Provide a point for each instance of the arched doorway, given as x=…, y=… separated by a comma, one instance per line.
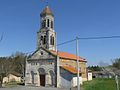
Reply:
x=42, y=76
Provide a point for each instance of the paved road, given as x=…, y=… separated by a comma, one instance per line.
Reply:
x=34, y=88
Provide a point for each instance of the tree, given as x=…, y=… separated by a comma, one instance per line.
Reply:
x=116, y=63
x=114, y=70
x=14, y=63
x=94, y=68
x=19, y=62
x=5, y=68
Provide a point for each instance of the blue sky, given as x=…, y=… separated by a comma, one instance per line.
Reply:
x=20, y=20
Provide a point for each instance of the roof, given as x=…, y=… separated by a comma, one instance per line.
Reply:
x=70, y=69
x=47, y=10
x=66, y=55
x=16, y=74
x=63, y=55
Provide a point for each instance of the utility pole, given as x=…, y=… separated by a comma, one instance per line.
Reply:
x=78, y=68
x=117, y=84
x=58, y=71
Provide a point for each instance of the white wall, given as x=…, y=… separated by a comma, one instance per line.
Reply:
x=74, y=81
x=10, y=78
x=89, y=76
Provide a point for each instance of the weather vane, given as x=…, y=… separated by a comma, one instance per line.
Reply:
x=46, y=2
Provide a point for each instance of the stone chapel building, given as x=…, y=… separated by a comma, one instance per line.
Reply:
x=49, y=67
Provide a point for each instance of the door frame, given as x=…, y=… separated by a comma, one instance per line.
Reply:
x=42, y=79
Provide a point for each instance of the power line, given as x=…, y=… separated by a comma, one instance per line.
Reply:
x=84, y=38
x=108, y=37
x=66, y=42
x=90, y=38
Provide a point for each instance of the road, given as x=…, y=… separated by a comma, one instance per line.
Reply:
x=34, y=88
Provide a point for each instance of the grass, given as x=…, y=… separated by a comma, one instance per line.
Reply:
x=100, y=84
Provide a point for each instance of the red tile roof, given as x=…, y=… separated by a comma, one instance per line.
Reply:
x=68, y=56
x=70, y=69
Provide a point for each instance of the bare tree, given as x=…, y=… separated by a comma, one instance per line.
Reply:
x=114, y=71
x=6, y=67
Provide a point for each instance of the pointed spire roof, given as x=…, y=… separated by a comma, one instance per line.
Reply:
x=46, y=11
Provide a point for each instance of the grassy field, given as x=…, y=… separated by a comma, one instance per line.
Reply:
x=100, y=84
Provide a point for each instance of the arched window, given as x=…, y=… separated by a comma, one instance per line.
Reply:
x=44, y=40
x=41, y=71
x=43, y=23
x=51, y=24
x=41, y=41
x=52, y=40
x=48, y=22
x=41, y=37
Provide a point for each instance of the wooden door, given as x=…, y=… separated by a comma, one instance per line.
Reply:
x=42, y=80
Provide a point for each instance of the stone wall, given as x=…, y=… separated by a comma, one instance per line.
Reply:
x=73, y=63
x=33, y=66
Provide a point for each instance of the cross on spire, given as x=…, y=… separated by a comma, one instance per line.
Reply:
x=46, y=2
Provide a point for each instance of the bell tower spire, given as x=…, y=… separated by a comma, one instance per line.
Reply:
x=46, y=34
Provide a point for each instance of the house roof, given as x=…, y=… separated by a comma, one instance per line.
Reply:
x=47, y=10
x=70, y=69
x=16, y=74
x=68, y=56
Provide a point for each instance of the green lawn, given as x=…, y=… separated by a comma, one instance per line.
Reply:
x=100, y=84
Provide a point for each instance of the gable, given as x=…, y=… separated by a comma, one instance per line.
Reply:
x=42, y=54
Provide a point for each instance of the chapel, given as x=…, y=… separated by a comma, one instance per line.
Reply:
x=49, y=67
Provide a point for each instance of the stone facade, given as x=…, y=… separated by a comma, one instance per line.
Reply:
x=41, y=69
x=73, y=63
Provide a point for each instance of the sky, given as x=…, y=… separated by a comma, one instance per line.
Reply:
x=20, y=21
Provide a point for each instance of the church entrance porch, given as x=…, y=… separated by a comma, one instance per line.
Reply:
x=42, y=75
x=46, y=77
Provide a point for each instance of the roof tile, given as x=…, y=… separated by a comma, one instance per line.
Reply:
x=70, y=69
x=68, y=56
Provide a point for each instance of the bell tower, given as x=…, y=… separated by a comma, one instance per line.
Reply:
x=46, y=35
